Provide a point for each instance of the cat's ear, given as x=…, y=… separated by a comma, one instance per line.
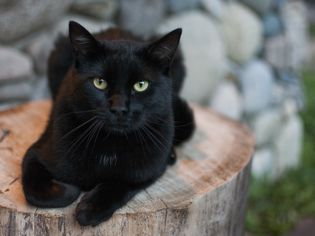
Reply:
x=163, y=50
x=81, y=40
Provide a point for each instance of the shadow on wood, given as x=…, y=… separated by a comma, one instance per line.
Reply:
x=203, y=194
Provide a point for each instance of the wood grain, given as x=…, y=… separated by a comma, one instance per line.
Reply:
x=203, y=194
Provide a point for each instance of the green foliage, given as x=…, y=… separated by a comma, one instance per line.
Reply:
x=274, y=208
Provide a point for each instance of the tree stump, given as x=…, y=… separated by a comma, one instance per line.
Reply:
x=204, y=193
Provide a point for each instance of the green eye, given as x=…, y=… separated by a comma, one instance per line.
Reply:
x=100, y=83
x=141, y=86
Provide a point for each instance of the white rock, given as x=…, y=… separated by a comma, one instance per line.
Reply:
x=14, y=65
x=288, y=145
x=227, y=101
x=294, y=16
x=204, y=53
x=263, y=163
x=214, y=7
x=256, y=80
x=242, y=32
x=266, y=125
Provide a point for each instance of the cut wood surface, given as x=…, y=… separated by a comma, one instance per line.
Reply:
x=204, y=193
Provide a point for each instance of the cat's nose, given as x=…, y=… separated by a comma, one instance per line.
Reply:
x=118, y=104
x=118, y=110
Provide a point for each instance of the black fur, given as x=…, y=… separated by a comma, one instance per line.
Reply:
x=114, y=142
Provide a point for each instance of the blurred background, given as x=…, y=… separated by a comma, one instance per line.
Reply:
x=251, y=60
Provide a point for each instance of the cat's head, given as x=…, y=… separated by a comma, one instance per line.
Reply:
x=126, y=81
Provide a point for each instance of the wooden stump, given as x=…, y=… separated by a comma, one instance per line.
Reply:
x=203, y=194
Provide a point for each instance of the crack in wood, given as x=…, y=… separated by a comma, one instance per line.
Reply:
x=14, y=180
x=4, y=133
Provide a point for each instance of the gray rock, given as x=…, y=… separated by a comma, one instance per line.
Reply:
x=15, y=66
x=27, y=16
x=141, y=16
x=227, y=101
x=263, y=163
x=39, y=49
x=242, y=32
x=288, y=145
x=272, y=25
x=62, y=27
x=16, y=91
x=101, y=9
x=260, y=6
x=204, y=53
x=214, y=7
x=40, y=89
x=176, y=6
x=293, y=87
x=277, y=52
x=266, y=125
x=256, y=81
x=294, y=15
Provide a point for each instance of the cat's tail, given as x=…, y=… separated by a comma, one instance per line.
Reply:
x=59, y=62
x=184, y=121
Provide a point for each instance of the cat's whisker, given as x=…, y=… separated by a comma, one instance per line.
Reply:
x=75, y=112
x=77, y=127
x=81, y=137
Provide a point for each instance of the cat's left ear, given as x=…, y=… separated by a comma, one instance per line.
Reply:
x=163, y=50
x=81, y=39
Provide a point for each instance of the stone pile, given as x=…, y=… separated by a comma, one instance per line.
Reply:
x=243, y=58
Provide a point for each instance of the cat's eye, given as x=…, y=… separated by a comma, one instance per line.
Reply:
x=100, y=83
x=141, y=86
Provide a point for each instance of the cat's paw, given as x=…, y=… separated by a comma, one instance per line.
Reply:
x=89, y=213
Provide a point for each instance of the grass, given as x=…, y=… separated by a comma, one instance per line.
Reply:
x=275, y=207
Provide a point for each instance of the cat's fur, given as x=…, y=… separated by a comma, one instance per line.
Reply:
x=111, y=143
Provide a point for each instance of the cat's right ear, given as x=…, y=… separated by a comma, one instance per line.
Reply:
x=81, y=40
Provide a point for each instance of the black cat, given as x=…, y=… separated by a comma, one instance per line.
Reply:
x=115, y=118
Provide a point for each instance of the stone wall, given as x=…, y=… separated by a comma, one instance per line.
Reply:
x=243, y=58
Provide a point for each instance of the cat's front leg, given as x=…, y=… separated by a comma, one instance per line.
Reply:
x=100, y=203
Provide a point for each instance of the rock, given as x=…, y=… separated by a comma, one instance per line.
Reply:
x=265, y=125
x=214, y=7
x=92, y=25
x=176, y=6
x=27, y=16
x=141, y=16
x=15, y=66
x=288, y=145
x=8, y=105
x=272, y=25
x=39, y=49
x=226, y=100
x=277, y=52
x=40, y=89
x=256, y=81
x=204, y=53
x=260, y=6
x=104, y=10
x=242, y=32
x=292, y=86
x=262, y=164
x=294, y=15
x=16, y=91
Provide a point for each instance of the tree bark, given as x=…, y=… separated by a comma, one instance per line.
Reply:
x=204, y=193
